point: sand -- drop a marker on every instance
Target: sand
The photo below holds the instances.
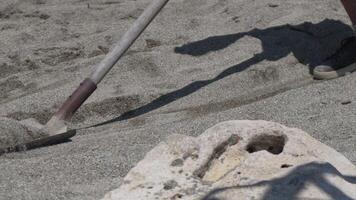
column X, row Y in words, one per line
column 201, row 62
column 12, row 133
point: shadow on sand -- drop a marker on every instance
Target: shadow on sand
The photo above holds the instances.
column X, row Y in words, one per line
column 309, row 43
column 289, row 186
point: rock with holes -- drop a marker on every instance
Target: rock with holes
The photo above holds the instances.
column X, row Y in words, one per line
column 241, row 160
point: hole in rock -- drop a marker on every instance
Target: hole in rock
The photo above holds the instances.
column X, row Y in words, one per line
column 271, row 143
column 216, row 154
column 176, row 196
column 286, row 166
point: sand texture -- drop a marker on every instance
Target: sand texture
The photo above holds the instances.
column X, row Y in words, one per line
column 199, row 63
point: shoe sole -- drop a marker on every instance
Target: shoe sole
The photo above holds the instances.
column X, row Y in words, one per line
column 335, row 73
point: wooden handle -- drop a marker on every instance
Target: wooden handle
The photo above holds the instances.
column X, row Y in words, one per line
column 127, row 40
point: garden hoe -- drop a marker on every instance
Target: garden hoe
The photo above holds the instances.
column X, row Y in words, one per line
column 56, row 128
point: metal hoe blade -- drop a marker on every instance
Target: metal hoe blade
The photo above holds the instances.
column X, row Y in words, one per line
column 45, row 141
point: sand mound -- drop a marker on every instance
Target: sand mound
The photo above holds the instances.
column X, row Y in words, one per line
column 12, row 132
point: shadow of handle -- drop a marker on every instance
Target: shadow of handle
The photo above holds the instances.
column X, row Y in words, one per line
column 185, row 91
column 210, row 44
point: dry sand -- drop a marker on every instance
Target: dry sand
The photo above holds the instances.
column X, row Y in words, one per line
column 201, row 62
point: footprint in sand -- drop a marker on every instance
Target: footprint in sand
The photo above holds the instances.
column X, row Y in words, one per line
column 9, row 85
column 55, row 55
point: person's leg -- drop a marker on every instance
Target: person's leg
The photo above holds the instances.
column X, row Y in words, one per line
column 344, row 60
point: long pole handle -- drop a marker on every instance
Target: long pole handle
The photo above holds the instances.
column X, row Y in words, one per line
column 127, row 40
column 57, row 123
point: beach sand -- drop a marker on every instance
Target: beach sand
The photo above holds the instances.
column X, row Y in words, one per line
column 199, row 63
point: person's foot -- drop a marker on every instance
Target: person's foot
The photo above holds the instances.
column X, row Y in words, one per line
column 340, row 63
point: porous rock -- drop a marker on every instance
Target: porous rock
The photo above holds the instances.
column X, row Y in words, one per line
column 241, row 160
